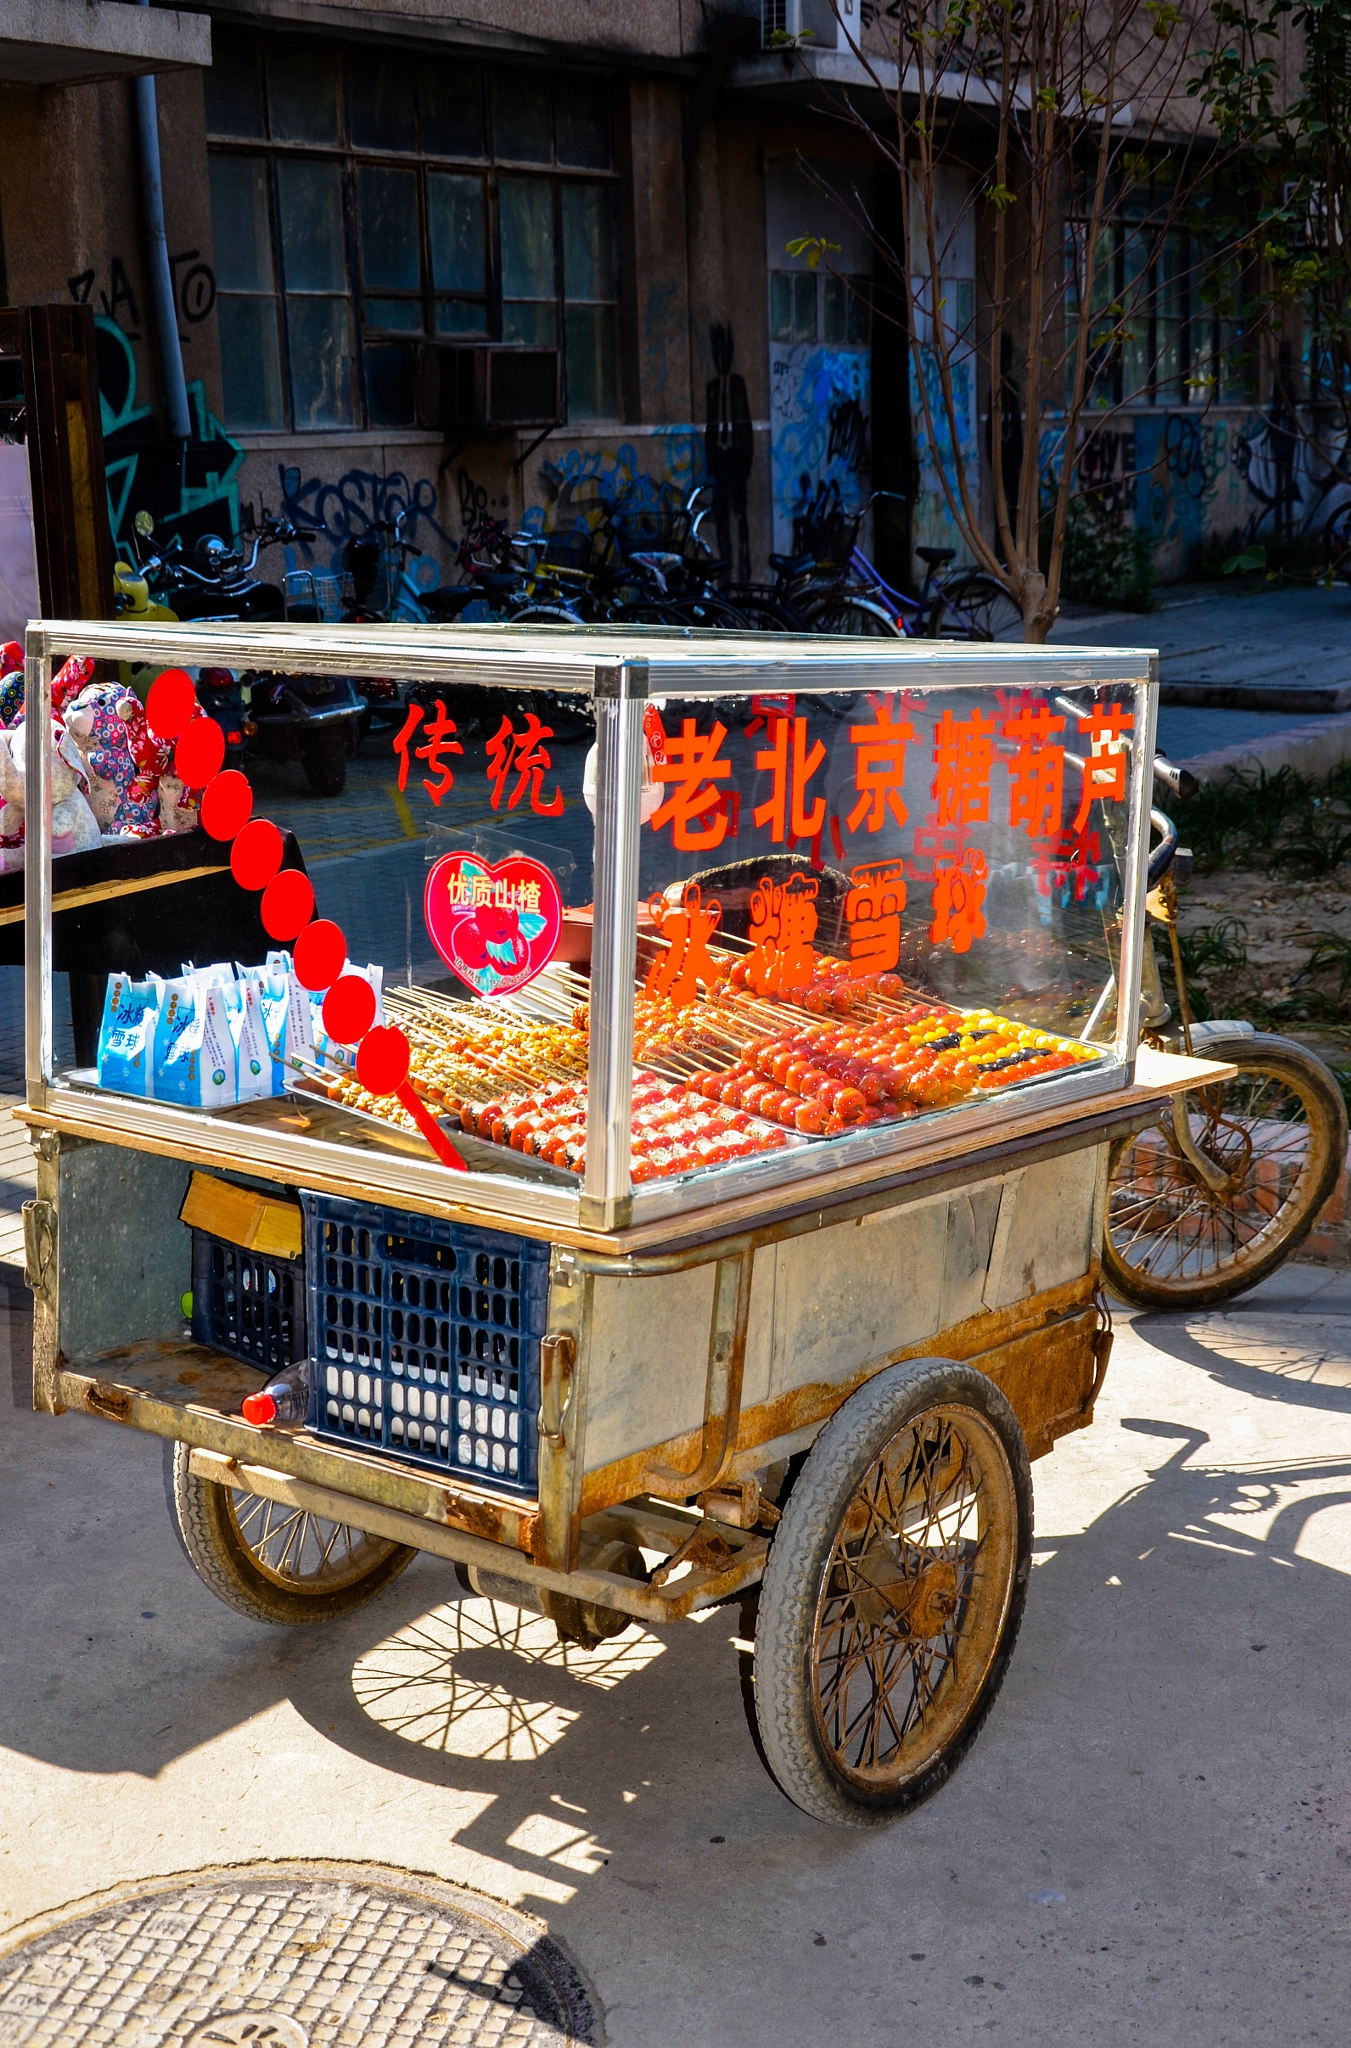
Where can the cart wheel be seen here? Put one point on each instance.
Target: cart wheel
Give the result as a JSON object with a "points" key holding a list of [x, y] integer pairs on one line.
{"points": [[1277, 1131], [893, 1593], [276, 1563]]}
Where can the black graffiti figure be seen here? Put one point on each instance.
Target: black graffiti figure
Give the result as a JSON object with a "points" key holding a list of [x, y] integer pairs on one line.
{"points": [[729, 450]]}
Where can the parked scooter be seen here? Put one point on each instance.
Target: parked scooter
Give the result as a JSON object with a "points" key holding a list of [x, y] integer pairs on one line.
{"points": [[313, 719]]}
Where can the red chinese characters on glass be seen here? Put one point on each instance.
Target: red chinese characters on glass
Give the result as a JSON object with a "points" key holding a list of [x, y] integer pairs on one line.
{"points": [[1069, 862], [783, 925], [1105, 767], [879, 767], [792, 764], [958, 901], [963, 751], [1036, 770], [689, 766], [872, 911], [438, 741], [523, 754], [684, 960]]}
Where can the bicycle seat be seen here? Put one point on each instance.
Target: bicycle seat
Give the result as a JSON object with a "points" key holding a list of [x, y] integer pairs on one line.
{"points": [[496, 580], [936, 557], [791, 565]]}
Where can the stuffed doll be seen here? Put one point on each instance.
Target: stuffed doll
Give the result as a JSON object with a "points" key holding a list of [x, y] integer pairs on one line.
{"points": [[74, 826], [124, 798], [11, 683]]}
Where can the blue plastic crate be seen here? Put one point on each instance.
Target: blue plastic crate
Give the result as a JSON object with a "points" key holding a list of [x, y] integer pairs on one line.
{"points": [[247, 1304], [424, 1338]]}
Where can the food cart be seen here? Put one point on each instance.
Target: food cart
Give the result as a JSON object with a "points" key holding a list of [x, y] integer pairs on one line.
{"points": [[677, 1163]]}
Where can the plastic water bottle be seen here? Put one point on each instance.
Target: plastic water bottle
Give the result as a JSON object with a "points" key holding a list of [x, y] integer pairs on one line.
{"points": [[284, 1399]]}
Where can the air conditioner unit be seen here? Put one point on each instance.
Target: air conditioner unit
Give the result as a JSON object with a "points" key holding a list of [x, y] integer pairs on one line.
{"points": [[489, 385], [812, 23]]}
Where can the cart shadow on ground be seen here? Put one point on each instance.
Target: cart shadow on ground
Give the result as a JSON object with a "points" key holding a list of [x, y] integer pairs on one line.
{"points": [[578, 1763]]}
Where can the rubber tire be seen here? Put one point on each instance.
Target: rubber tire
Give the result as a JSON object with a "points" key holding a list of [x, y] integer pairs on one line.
{"points": [[224, 1563], [987, 609], [859, 617], [323, 756], [835, 1466], [1258, 1049]]}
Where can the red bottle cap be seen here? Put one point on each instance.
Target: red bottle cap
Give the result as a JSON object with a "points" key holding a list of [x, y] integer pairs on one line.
{"points": [[259, 1409]]}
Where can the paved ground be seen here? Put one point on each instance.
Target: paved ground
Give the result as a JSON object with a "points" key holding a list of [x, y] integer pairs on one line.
{"points": [[1151, 1842], [1250, 660]]}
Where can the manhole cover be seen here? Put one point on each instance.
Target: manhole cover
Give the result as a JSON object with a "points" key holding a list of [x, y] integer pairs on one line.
{"points": [[289, 1955]]}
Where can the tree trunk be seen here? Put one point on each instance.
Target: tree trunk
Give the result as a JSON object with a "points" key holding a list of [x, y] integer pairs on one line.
{"points": [[1038, 615]]}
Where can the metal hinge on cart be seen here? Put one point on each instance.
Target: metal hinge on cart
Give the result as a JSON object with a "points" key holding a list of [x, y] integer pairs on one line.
{"points": [[39, 1249]]}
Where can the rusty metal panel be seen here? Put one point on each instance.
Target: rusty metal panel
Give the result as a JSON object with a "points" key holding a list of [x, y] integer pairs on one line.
{"points": [[856, 1292], [648, 1361], [966, 1256], [1050, 1238]]}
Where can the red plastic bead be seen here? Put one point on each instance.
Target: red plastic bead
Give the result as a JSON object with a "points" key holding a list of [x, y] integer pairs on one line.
{"points": [[383, 1060], [256, 855], [227, 802], [319, 954], [349, 1009], [287, 905], [170, 705], [199, 753]]}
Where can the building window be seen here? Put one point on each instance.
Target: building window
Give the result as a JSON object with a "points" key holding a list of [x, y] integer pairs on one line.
{"points": [[1169, 319], [809, 305], [364, 204]]}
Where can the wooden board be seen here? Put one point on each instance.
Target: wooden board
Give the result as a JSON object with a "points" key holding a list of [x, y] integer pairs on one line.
{"points": [[244, 1216]]}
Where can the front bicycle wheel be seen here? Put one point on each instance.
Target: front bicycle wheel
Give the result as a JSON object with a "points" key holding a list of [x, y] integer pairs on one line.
{"points": [[1277, 1132], [860, 616], [977, 607]]}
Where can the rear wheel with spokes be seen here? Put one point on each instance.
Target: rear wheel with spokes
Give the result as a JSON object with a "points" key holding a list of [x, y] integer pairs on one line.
{"points": [[860, 616], [977, 607], [277, 1563], [1275, 1137], [893, 1593]]}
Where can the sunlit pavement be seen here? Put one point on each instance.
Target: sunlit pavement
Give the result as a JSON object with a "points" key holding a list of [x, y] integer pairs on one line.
{"points": [[1151, 1841]]}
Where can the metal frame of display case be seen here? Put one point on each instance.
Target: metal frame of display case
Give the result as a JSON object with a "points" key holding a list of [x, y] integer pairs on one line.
{"points": [[618, 669]]}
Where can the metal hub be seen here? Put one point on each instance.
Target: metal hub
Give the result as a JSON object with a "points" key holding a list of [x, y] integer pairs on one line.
{"points": [[290, 1955]]}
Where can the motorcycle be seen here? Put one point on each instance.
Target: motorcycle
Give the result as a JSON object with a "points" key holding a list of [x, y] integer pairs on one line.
{"points": [[313, 719]]}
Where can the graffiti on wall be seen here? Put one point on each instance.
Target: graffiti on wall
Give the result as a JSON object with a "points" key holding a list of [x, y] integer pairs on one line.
{"points": [[194, 288], [819, 403], [360, 501], [938, 451], [188, 489], [579, 486]]}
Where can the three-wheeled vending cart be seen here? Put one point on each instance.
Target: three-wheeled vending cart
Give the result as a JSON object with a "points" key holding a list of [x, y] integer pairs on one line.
{"points": [[660, 1154]]}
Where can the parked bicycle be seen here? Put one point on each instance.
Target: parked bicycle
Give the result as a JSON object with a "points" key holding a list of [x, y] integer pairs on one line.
{"points": [[1228, 1181]]}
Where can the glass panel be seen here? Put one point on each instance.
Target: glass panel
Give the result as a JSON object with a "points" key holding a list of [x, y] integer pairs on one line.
{"points": [[535, 325], [589, 333], [1168, 318], [388, 211], [804, 306], [588, 242], [403, 315], [309, 197], [240, 225], [302, 93], [381, 99], [461, 316], [858, 323], [391, 386], [913, 890], [452, 110], [1135, 365], [522, 124], [455, 223], [234, 86], [525, 207], [781, 305], [250, 362], [834, 318], [582, 120], [321, 362]]}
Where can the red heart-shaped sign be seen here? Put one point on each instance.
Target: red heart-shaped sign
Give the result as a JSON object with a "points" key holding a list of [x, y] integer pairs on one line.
{"points": [[498, 927]]}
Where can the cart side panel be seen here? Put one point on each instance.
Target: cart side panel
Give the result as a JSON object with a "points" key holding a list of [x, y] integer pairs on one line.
{"points": [[1050, 1235], [126, 1260]]}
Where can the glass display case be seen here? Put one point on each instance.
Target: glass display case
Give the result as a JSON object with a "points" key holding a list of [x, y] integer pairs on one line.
{"points": [[605, 929]]}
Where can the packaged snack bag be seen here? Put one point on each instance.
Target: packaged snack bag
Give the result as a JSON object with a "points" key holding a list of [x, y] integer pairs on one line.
{"points": [[332, 1052], [220, 1063], [178, 1043], [273, 985], [131, 1012], [253, 1059]]}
